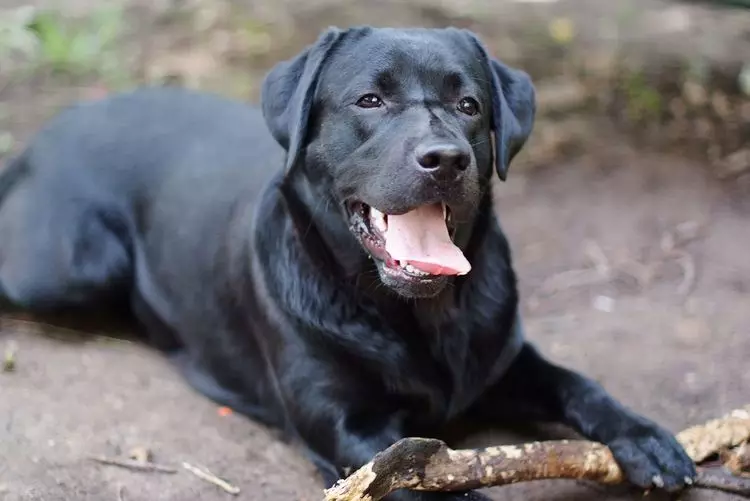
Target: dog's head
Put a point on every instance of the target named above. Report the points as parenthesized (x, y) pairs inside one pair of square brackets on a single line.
[(400, 129)]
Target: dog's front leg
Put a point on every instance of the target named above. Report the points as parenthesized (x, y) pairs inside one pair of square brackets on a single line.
[(534, 388), (342, 437)]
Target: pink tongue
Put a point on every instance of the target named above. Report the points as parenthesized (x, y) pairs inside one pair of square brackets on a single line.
[(420, 237)]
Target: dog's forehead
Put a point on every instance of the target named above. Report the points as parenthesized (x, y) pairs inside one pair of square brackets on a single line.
[(408, 54)]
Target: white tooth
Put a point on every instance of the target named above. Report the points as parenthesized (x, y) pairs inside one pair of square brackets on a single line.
[(378, 220), (445, 211), (411, 269)]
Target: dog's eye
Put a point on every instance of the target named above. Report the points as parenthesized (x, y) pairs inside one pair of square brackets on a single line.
[(468, 105), (370, 101)]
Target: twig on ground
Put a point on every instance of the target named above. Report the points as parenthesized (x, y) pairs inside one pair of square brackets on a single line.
[(429, 465), (686, 261), (720, 480), (121, 493), (206, 475), (601, 273), (642, 273), (133, 465), (604, 272)]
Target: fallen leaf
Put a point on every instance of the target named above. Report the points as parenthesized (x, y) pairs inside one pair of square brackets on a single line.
[(9, 360)]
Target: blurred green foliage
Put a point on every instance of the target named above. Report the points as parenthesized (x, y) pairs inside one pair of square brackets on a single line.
[(644, 102), (45, 39)]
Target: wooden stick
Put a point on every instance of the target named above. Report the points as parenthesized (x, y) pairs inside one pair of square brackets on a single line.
[(737, 460), (721, 480), (430, 465), (211, 478), (133, 465), (708, 439)]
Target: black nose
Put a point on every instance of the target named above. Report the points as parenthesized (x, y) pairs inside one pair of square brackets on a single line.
[(443, 159)]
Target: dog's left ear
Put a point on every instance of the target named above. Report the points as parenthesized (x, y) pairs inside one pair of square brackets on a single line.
[(287, 94), (513, 108)]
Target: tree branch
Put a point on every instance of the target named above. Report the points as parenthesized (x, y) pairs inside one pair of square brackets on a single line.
[(430, 465)]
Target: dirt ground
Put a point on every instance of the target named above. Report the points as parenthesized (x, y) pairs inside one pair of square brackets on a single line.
[(633, 266)]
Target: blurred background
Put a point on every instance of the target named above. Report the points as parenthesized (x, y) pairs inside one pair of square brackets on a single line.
[(628, 213)]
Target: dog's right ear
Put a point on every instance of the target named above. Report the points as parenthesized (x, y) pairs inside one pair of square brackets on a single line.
[(287, 94), (513, 107)]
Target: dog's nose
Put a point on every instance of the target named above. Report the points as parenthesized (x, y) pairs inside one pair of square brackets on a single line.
[(446, 160)]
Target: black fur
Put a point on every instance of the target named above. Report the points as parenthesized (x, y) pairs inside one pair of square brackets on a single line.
[(240, 260)]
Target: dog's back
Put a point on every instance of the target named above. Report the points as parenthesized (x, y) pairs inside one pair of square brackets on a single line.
[(100, 171), (150, 133)]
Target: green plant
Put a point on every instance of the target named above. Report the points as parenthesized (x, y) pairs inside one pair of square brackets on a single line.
[(78, 47), (643, 100)]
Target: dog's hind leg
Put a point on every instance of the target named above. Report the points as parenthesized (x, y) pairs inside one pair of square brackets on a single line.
[(204, 362), (203, 381), (60, 250)]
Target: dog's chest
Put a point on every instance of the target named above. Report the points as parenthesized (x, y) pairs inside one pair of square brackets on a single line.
[(450, 368)]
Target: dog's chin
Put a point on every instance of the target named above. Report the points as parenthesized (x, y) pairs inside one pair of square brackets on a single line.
[(401, 278), (406, 284)]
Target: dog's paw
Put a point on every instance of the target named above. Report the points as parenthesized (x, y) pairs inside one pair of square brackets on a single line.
[(651, 457)]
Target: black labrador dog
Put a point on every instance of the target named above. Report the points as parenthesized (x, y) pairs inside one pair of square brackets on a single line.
[(330, 265)]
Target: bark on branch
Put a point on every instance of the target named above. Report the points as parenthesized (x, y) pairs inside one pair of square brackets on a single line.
[(430, 465)]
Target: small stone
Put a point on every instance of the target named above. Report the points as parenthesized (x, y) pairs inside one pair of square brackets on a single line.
[(140, 454), (604, 303)]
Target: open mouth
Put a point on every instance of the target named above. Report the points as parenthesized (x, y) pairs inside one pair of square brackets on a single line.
[(415, 245)]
